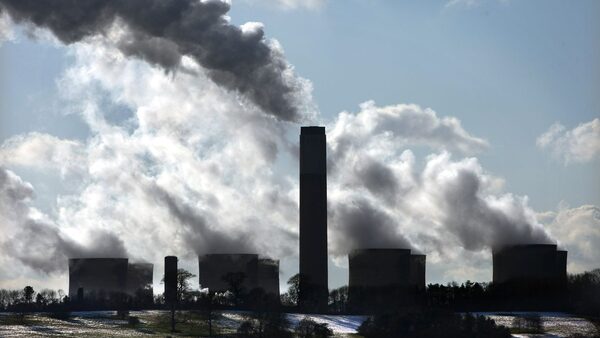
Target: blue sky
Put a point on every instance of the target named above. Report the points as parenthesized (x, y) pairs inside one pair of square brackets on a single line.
[(508, 70)]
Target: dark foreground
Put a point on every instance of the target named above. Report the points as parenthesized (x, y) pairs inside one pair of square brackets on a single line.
[(226, 323)]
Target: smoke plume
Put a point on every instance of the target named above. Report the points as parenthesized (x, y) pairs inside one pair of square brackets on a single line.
[(161, 32)]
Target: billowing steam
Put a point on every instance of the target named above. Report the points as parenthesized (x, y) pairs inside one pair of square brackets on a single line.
[(380, 197), (35, 241), (161, 32)]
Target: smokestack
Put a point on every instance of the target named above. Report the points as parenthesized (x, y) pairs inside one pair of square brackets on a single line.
[(313, 219), (170, 279)]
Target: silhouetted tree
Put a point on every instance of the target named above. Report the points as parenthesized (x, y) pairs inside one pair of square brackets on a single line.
[(290, 298), (183, 284), (338, 299), (308, 328), (265, 325), (429, 324), (528, 324), (28, 293), (584, 292)]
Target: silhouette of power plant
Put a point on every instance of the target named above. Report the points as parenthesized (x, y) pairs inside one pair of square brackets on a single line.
[(218, 271), (377, 276), (106, 278), (530, 263)]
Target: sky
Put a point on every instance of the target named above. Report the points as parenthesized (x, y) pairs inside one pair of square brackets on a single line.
[(453, 127)]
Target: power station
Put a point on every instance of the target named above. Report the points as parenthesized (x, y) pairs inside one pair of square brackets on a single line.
[(376, 275)]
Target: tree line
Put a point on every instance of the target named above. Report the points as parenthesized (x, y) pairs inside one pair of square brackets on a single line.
[(581, 295)]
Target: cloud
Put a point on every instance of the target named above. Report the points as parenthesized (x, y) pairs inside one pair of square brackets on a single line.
[(466, 3), (43, 151), (388, 129), (469, 3), (237, 58), (293, 4), (6, 31), (580, 144), (579, 232)]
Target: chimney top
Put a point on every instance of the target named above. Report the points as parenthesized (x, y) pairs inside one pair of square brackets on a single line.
[(312, 130)]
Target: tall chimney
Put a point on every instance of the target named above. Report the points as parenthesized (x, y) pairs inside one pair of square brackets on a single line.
[(313, 219), (170, 279)]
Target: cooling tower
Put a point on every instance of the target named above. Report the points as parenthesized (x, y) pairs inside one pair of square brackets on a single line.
[(561, 266), (139, 278), (214, 267), (97, 278), (268, 276), (313, 219), (529, 263), (379, 267), (380, 279), (417, 271), (170, 279)]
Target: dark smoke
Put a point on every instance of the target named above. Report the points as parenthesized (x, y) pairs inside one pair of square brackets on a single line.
[(197, 233), (378, 178), (161, 32), (358, 224)]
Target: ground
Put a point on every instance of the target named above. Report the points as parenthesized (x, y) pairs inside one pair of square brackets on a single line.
[(157, 323)]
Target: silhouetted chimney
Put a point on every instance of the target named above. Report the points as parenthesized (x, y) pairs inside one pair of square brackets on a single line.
[(313, 219), (170, 279)]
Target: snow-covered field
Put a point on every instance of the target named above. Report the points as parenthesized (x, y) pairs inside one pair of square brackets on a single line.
[(103, 324), (555, 324), (338, 323)]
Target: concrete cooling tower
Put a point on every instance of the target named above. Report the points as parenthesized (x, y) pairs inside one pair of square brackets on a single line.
[(530, 263), (258, 272), (376, 275), (268, 275), (214, 267), (95, 278), (139, 278)]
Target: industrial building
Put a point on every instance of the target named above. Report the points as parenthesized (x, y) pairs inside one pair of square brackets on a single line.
[(257, 272), (417, 271), (139, 279), (533, 263), (268, 275), (97, 278), (376, 276), (313, 219)]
